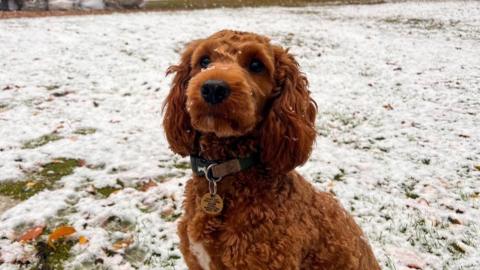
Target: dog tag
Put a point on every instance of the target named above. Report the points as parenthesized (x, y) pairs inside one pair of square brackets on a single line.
[(212, 204)]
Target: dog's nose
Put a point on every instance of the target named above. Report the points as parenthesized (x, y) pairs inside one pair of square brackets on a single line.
[(215, 91)]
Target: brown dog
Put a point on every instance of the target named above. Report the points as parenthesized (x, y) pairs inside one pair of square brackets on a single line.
[(240, 108)]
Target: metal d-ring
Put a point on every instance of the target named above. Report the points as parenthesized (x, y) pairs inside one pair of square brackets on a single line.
[(212, 181), (209, 174)]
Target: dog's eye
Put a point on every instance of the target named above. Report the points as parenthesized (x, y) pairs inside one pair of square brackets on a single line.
[(205, 61), (256, 66)]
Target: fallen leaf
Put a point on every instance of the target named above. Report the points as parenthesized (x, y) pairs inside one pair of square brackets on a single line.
[(60, 232), (148, 185), (30, 184), (413, 266), (455, 221), (81, 162), (477, 167), (124, 243), (31, 234), (388, 107), (82, 240)]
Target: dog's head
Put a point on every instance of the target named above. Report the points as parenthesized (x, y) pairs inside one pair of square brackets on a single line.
[(236, 83)]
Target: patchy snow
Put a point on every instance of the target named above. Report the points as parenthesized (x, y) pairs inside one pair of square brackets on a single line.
[(398, 88)]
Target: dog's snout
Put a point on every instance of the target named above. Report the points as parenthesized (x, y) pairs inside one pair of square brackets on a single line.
[(215, 91)]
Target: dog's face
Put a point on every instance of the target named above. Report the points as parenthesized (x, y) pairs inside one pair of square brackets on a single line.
[(231, 77), (235, 83)]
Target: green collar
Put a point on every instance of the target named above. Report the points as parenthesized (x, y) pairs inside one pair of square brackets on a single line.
[(215, 171)]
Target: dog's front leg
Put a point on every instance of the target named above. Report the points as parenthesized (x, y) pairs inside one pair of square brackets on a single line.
[(189, 257)]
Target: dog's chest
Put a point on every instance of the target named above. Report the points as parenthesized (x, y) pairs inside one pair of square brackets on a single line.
[(204, 233), (198, 250)]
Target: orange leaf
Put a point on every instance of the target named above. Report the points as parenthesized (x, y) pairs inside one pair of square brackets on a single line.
[(31, 234), (82, 240), (122, 244), (148, 185), (60, 232)]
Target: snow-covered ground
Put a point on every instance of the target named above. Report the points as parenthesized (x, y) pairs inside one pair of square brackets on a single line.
[(398, 88)]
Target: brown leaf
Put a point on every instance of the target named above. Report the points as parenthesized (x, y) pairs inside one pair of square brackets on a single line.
[(148, 185), (60, 232), (455, 221), (31, 234), (413, 266), (388, 107), (124, 243)]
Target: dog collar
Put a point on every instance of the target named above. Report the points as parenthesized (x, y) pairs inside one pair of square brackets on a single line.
[(214, 171)]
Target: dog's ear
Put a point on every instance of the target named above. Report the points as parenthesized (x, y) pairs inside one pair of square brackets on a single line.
[(288, 130), (176, 121)]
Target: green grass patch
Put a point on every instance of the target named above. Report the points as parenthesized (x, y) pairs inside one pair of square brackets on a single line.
[(53, 258), (409, 188), (108, 190), (52, 87), (182, 165), (170, 261), (85, 131), (21, 190), (59, 168), (339, 176), (45, 179), (172, 217), (40, 141), (420, 23)]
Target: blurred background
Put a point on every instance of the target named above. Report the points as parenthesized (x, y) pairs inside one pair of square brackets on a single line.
[(37, 5)]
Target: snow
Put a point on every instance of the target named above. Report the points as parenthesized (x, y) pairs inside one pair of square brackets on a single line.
[(398, 88)]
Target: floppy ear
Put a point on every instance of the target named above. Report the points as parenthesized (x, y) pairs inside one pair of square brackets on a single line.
[(288, 131), (176, 121)]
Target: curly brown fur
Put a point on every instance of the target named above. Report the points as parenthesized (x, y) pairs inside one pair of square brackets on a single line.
[(272, 218)]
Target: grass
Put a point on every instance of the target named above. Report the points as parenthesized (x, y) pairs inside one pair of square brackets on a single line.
[(171, 217), (419, 23), (339, 176), (40, 141), (117, 224), (53, 258), (46, 178), (409, 188), (196, 4), (85, 131)]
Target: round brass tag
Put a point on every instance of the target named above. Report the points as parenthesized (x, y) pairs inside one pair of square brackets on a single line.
[(212, 204)]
